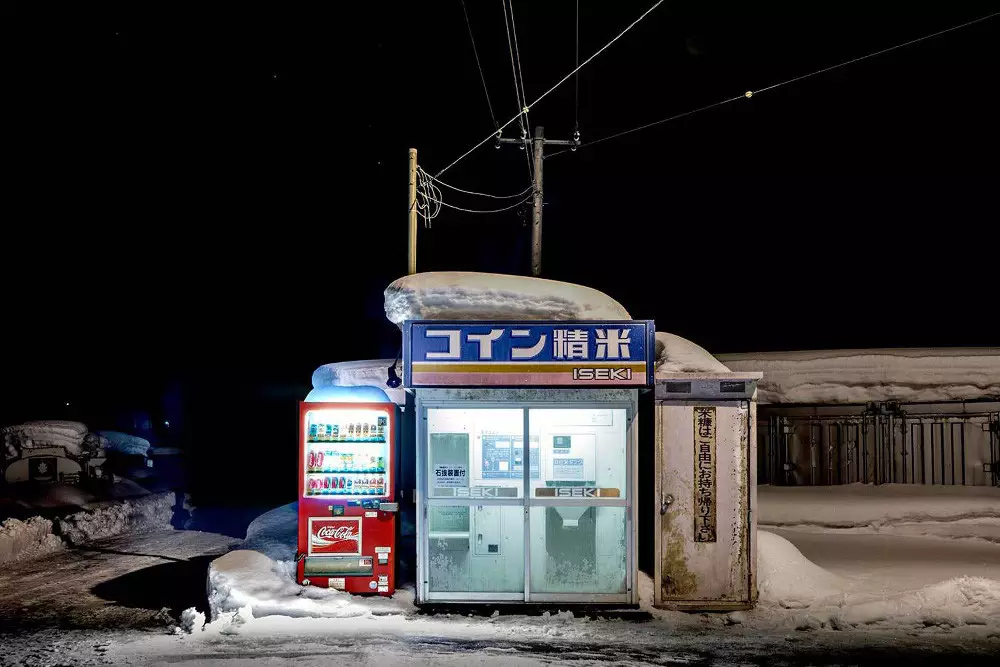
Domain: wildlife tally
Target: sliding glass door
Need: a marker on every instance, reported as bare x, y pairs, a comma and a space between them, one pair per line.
537, 518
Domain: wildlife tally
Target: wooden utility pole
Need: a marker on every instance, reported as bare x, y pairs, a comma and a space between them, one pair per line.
411, 255
536, 210
536, 206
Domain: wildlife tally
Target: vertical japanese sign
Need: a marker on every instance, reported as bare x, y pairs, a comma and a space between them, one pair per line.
704, 474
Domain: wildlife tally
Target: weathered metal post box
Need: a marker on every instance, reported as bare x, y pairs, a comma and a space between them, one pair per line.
706, 542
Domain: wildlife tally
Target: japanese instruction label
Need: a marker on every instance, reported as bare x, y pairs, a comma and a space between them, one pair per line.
704, 475
450, 476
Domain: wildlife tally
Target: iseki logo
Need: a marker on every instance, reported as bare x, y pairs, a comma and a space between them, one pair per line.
576, 492
612, 374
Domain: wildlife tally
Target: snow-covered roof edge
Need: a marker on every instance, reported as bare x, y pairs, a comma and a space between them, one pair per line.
914, 375
462, 295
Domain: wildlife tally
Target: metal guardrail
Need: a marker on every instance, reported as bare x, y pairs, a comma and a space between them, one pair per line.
881, 444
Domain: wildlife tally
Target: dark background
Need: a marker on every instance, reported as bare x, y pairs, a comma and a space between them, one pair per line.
206, 200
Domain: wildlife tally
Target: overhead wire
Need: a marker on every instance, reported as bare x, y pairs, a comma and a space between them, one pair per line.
750, 93
494, 210
524, 95
473, 192
482, 77
518, 87
556, 85
576, 92
430, 199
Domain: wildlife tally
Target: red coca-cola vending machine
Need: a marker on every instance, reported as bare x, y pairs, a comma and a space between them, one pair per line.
347, 502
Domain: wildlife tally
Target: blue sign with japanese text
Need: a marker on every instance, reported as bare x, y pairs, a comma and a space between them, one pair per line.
470, 354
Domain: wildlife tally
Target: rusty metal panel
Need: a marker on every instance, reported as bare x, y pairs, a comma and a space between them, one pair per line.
694, 574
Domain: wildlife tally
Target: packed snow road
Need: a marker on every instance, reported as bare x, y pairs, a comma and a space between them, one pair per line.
124, 581
623, 644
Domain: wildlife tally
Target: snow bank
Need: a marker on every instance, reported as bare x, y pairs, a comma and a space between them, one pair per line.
960, 601
679, 355
788, 578
369, 373
151, 512
274, 533
458, 295
125, 443
26, 539
247, 579
855, 505
860, 376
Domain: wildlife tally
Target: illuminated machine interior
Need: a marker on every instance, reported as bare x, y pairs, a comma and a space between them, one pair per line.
543, 521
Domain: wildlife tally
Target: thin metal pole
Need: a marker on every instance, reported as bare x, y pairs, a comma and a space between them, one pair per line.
963, 454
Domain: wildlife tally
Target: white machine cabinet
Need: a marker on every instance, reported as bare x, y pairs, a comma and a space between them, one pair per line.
706, 543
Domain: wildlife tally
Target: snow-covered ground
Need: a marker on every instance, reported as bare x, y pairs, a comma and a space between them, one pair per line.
123, 581
828, 596
861, 376
80, 516
809, 580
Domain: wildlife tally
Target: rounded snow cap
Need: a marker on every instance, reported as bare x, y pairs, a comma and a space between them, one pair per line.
464, 295
347, 395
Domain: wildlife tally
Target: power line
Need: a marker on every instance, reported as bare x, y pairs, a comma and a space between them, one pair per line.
482, 77
518, 88
494, 210
648, 125
750, 93
524, 96
557, 84
472, 192
576, 93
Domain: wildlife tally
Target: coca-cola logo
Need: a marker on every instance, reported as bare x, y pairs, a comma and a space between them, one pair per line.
337, 533
335, 536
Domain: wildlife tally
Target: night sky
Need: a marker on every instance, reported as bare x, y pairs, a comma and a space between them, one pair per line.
212, 197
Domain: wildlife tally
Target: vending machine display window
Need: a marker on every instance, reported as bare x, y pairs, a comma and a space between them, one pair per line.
346, 453
528, 502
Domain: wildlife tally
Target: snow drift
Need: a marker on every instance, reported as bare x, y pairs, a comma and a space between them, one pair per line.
459, 295
26, 539
860, 376
274, 533
248, 579
679, 355
788, 579
150, 512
